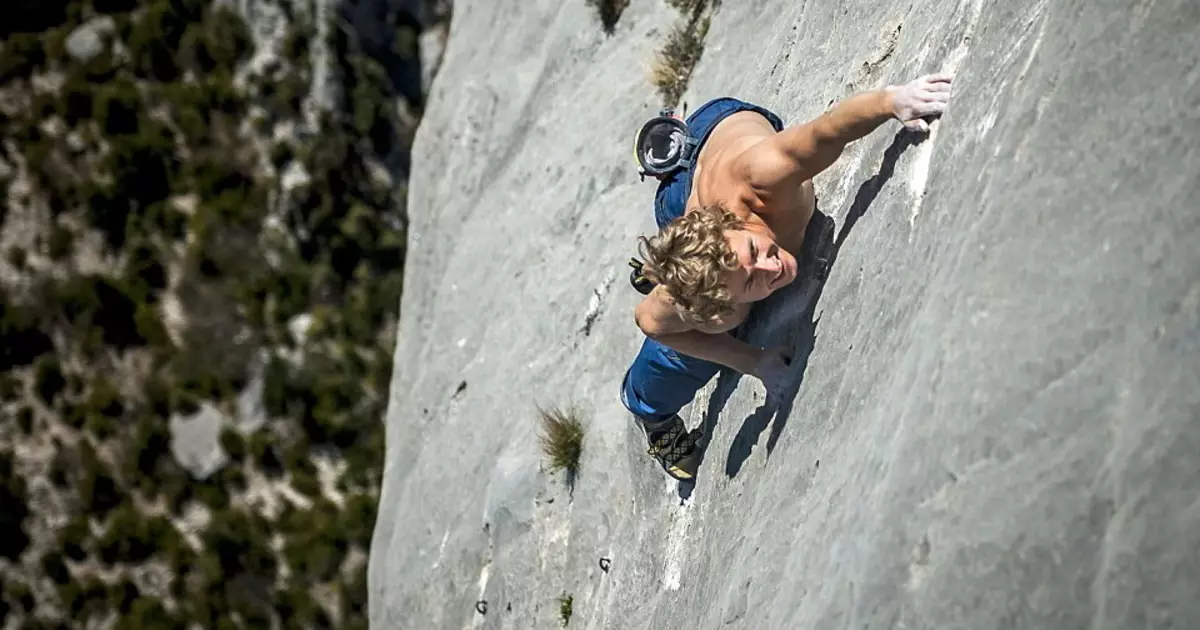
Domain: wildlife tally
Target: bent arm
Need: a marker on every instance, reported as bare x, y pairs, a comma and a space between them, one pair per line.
658, 319
719, 348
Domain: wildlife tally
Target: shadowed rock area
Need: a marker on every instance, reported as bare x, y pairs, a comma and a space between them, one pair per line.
995, 418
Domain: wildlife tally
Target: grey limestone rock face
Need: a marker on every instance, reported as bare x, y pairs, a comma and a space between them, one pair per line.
195, 441
90, 38
995, 414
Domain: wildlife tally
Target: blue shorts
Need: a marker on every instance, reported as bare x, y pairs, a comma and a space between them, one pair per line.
661, 381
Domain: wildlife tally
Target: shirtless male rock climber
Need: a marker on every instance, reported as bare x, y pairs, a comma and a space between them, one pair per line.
732, 220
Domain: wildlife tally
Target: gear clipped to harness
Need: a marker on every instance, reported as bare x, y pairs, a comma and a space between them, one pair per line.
639, 279
663, 145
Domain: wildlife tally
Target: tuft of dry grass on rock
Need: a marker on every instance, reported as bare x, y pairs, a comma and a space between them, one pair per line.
687, 6
562, 438
673, 67
609, 12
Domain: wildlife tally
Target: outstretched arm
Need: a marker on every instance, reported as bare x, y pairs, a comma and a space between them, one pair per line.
798, 153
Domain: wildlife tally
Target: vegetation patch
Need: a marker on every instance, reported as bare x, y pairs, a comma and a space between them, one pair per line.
673, 65
166, 260
565, 603
562, 439
609, 12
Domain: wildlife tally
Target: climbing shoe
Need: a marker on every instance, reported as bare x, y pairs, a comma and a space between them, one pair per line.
674, 447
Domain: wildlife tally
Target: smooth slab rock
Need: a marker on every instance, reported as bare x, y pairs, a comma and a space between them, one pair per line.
995, 414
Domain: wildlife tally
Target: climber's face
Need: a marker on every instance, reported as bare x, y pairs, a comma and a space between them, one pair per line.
762, 266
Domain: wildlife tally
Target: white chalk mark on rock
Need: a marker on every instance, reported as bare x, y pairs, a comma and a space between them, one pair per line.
955, 59
597, 301
477, 619
919, 172
441, 550
986, 123
918, 176
676, 541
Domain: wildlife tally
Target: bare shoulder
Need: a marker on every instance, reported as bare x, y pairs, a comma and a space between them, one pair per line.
657, 314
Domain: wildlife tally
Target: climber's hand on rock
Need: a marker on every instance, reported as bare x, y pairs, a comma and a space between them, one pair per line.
921, 98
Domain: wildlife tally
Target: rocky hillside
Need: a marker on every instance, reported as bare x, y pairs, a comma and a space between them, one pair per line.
993, 420
202, 247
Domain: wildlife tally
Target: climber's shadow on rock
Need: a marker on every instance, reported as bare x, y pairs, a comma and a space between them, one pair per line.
789, 318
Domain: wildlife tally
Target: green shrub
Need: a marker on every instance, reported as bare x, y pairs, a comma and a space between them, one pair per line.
100, 427
177, 490
114, 6
20, 594
21, 340
315, 545
122, 595
103, 305
240, 543
10, 386
25, 420
17, 256
48, 379
22, 54
358, 519
145, 273
212, 493
364, 459
150, 327
286, 97
148, 613
13, 510
115, 107
295, 45
143, 167
105, 399
62, 467
55, 568
220, 42
233, 444
84, 599
77, 99
298, 610
75, 537
305, 480
132, 537
266, 456
98, 491
353, 600
146, 463
59, 242
154, 36
232, 478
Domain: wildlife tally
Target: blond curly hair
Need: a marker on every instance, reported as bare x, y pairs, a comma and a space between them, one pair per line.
688, 258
